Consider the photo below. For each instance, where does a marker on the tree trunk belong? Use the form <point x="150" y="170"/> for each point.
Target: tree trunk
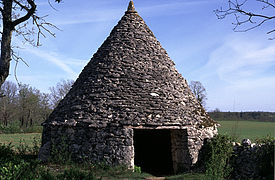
<point x="6" y="40"/>
<point x="5" y="115"/>
<point x="22" y="121"/>
<point x="6" y="119"/>
<point x="28" y="118"/>
<point x="31" y="122"/>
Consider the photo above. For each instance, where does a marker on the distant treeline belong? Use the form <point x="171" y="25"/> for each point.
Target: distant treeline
<point x="243" y="116"/>
<point x="24" y="106"/>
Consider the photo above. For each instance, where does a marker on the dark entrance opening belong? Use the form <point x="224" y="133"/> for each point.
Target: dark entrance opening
<point x="153" y="151"/>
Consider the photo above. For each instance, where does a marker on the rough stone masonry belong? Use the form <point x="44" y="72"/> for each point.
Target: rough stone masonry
<point x="129" y="84"/>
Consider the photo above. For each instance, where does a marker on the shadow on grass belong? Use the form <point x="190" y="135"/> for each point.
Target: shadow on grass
<point x="187" y="176"/>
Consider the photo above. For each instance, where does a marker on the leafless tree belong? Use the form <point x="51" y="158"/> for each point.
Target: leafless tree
<point x="199" y="91"/>
<point x="45" y="106"/>
<point x="19" y="17"/>
<point x="247" y="17"/>
<point x="59" y="91"/>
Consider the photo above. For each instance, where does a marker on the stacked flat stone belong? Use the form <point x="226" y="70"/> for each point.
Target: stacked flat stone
<point x="247" y="160"/>
<point x="129" y="83"/>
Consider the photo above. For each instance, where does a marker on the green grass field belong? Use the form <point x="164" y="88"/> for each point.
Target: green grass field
<point x="247" y="129"/>
<point x="17" y="139"/>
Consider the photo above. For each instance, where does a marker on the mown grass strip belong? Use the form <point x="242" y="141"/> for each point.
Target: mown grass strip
<point x="247" y="129"/>
<point x="18" y="138"/>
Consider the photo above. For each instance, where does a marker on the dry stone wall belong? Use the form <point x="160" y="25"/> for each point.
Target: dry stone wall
<point x="180" y="152"/>
<point x="247" y="161"/>
<point x="112" y="145"/>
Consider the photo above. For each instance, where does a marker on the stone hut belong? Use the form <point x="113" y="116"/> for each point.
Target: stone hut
<point x="130" y="106"/>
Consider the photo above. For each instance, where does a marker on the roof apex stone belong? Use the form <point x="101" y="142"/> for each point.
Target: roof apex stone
<point x="131" y="7"/>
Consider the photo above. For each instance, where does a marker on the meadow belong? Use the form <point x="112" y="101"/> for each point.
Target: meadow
<point x="17" y="139"/>
<point x="247" y="129"/>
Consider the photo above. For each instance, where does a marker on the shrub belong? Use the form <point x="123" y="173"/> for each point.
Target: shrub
<point x="35" y="146"/>
<point x="6" y="152"/>
<point x="18" y="164"/>
<point x="216" y="157"/>
<point x="14" y="128"/>
<point x="137" y="169"/>
<point x="10" y="129"/>
<point x="45" y="175"/>
<point x="13" y="165"/>
<point x="265" y="155"/>
<point x="60" y="153"/>
<point x="22" y="148"/>
<point x="12" y="169"/>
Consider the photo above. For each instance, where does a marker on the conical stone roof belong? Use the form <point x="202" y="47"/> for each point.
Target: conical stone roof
<point x="131" y="81"/>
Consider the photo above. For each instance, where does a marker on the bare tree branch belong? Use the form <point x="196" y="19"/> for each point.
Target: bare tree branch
<point x="42" y="26"/>
<point x="52" y="5"/>
<point x="267" y="3"/>
<point x="17" y="59"/>
<point x="244" y="16"/>
<point x="271" y="31"/>
<point x="15" y="16"/>
<point x="30" y="12"/>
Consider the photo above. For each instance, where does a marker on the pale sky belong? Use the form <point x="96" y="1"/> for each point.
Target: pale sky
<point x="236" y="69"/>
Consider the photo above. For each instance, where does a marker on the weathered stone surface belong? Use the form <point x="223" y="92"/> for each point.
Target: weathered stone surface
<point x="130" y="82"/>
<point x="44" y="152"/>
<point x="196" y="137"/>
<point x="130" y="79"/>
<point x="109" y="145"/>
<point x="246" y="160"/>
<point x="180" y="152"/>
<point x="246" y="142"/>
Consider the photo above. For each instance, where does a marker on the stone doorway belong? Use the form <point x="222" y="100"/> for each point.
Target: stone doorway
<point x="153" y="151"/>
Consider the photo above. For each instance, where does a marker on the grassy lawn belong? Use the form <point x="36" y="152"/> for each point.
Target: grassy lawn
<point x="17" y="139"/>
<point x="247" y="129"/>
<point x="188" y="176"/>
